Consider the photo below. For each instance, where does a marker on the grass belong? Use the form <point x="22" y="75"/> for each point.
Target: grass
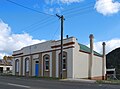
<point x="34" y="77"/>
<point x="108" y="81"/>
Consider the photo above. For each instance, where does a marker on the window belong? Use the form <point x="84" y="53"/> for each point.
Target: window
<point x="37" y="61"/>
<point x="64" y="60"/>
<point x="7" y="69"/>
<point x="27" y="64"/>
<point x="17" y="65"/>
<point x="46" y="62"/>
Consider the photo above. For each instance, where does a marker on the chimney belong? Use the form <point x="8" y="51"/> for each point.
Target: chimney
<point x="104" y="62"/>
<point x="91" y="43"/>
<point x="91" y="56"/>
<point x="67" y="36"/>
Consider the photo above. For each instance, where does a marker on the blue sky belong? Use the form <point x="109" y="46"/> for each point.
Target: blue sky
<point x="82" y="18"/>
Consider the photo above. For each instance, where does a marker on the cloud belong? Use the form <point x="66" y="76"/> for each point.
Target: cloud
<point x="56" y="6"/>
<point x="10" y="42"/>
<point x="107" y="7"/>
<point x="70" y="1"/>
<point x="110" y="45"/>
<point x="62" y="1"/>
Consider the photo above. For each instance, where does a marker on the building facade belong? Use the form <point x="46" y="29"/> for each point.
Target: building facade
<point x="44" y="59"/>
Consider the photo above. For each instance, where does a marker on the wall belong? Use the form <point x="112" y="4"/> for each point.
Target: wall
<point x="81" y="64"/>
<point x="80" y="61"/>
<point x="45" y="48"/>
<point x="97" y="67"/>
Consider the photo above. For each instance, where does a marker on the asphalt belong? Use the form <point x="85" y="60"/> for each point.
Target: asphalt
<point x="9" y="82"/>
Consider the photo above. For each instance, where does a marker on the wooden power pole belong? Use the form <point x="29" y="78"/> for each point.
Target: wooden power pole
<point x="61" y="62"/>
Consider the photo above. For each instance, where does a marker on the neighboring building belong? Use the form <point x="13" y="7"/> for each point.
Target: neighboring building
<point x="44" y="60"/>
<point x="5" y="68"/>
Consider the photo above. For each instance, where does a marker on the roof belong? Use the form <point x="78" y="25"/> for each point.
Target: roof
<point x="87" y="49"/>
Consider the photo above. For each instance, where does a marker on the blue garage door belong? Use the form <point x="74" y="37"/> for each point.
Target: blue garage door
<point x="36" y="69"/>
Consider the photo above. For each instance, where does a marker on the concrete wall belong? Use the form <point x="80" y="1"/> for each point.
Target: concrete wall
<point x="97" y="67"/>
<point x="80" y="63"/>
<point x="77" y="62"/>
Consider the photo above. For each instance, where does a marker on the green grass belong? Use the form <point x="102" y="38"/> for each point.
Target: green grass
<point x="108" y="81"/>
<point x="34" y="77"/>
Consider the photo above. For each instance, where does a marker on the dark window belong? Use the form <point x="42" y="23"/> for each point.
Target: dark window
<point x="37" y="61"/>
<point x="64" y="62"/>
<point x="7" y="69"/>
<point x="46" y="62"/>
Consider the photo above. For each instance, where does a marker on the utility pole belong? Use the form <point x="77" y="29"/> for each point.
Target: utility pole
<point x="61" y="61"/>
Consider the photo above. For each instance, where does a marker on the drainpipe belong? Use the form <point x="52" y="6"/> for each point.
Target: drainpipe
<point x="91" y="56"/>
<point x="104" y="62"/>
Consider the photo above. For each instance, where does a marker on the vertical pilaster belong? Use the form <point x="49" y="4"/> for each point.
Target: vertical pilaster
<point x="21" y="73"/>
<point x="54" y="64"/>
<point x="40" y="64"/>
<point x="103" y="62"/>
<point x="30" y="66"/>
<point x="91" y="56"/>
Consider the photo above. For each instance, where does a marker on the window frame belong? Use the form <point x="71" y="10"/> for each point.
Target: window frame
<point x="27" y="64"/>
<point x="64" y="58"/>
<point x="17" y="65"/>
<point x="46" y="62"/>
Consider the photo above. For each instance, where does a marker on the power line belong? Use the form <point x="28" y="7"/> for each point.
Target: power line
<point x="29" y="8"/>
<point x="78" y="10"/>
<point x="39" y="23"/>
<point x="45" y="25"/>
<point x="75" y="11"/>
<point x="80" y="13"/>
<point x="78" y="7"/>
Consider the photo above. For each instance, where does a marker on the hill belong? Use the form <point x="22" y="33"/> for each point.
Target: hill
<point x="113" y="61"/>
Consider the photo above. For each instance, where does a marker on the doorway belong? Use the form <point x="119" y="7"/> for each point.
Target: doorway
<point x="1" y="69"/>
<point x="37" y="68"/>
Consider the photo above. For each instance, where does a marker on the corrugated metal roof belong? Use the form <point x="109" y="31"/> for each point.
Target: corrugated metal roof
<point x="87" y="49"/>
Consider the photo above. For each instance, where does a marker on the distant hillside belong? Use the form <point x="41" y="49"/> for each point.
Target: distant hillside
<point x="113" y="60"/>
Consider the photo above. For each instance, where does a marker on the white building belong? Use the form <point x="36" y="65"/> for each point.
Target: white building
<point x="4" y="69"/>
<point x="43" y="59"/>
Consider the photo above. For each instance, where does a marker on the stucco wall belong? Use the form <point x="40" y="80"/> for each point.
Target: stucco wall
<point x="13" y="67"/>
<point x="80" y="63"/>
<point x="69" y="62"/>
<point x="97" y="66"/>
<point x="45" y="48"/>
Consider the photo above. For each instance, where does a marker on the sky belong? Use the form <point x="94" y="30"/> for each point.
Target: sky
<point x="27" y="22"/>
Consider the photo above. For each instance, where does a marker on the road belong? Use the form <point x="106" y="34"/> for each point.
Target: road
<point x="32" y="83"/>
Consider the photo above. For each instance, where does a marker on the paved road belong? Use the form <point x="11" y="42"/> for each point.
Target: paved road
<point x="31" y="83"/>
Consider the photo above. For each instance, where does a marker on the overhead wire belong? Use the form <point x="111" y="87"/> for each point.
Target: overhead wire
<point x="78" y="11"/>
<point x="77" y="7"/>
<point x="38" y="23"/>
<point x="82" y="10"/>
<point x="29" y="8"/>
<point x="52" y="37"/>
<point x="46" y="24"/>
<point x="43" y="23"/>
